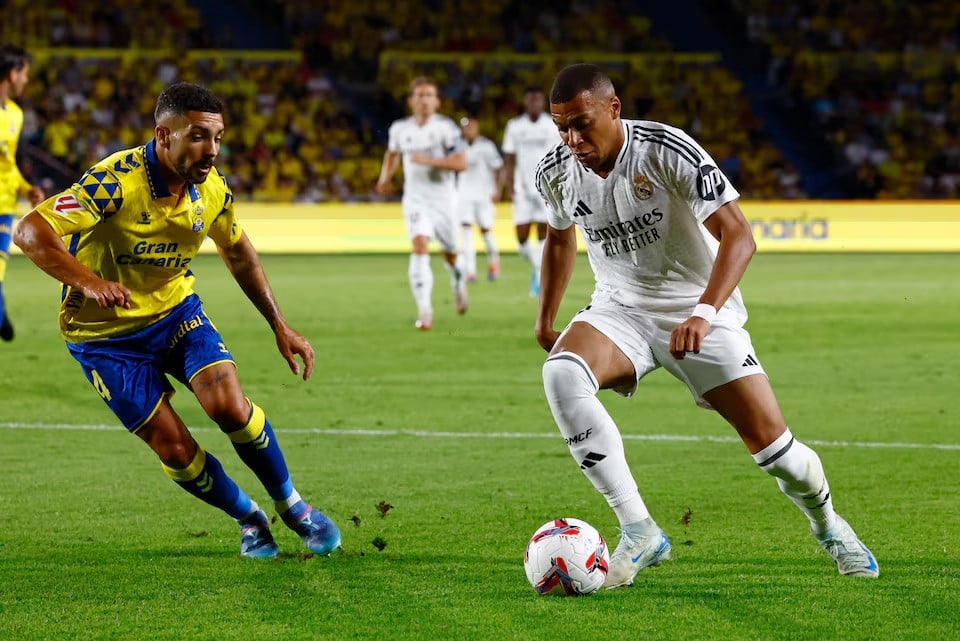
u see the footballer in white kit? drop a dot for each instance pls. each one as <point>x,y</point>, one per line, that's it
<point>429,205</point>
<point>649,251</point>
<point>668,245</point>
<point>526,139</point>
<point>430,149</point>
<point>477,189</point>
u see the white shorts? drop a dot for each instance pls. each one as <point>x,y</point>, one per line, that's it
<point>528,209</point>
<point>725,355</point>
<point>437,223</point>
<point>477,212</point>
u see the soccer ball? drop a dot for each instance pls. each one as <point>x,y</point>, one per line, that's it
<point>566,556</point>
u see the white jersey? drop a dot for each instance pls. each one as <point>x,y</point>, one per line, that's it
<point>438,137</point>
<point>479,181</point>
<point>529,140</point>
<point>643,223</point>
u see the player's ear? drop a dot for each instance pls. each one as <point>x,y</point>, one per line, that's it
<point>615,107</point>
<point>162,134</point>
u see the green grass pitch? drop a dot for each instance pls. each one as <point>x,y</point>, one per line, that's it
<point>450,428</point>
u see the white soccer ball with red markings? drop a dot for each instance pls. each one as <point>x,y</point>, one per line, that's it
<point>566,557</point>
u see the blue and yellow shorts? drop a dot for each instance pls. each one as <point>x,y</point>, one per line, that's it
<point>129,371</point>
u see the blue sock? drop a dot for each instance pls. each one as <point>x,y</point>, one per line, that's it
<point>257,445</point>
<point>6,233</point>
<point>206,480</point>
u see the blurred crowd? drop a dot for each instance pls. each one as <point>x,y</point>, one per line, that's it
<point>880,83</point>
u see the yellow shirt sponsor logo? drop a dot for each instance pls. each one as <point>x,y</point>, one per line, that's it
<point>122,222</point>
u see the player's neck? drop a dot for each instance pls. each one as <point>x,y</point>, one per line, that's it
<point>610,163</point>
<point>421,119</point>
<point>176,185</point>
<point>4,93</point>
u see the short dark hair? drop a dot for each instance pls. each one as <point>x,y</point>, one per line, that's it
<point>576,78</point>
<point>529,89</point>
<point>181,97</point>
<point>12,58</point>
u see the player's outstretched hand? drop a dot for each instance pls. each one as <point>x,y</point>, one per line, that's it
<point>107,293</point>
<point>291,344</point>
<point>688,336</point>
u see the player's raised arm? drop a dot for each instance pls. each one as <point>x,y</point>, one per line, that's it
<point>243,262</point>
<point>41,243</point>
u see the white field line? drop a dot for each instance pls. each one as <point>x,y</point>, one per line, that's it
<point>499,435</point>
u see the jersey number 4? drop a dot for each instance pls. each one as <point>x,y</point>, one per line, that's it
<point>99,385</point>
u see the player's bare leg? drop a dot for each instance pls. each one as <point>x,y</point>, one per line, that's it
<point>750,405</point>
<point>581,363</point>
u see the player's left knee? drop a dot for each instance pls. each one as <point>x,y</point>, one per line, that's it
<point>232,415</point>
<point>567,377</point>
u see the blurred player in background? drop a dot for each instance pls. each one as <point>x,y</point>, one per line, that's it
<point>668,245</point>
<point>476,194</point>
<point>134,221</point>
<point>432,152</point>
<point>526,139</point>
<point>14,74</point>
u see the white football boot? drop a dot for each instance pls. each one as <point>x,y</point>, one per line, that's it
<point>635,552</point>
<point>852,556</point>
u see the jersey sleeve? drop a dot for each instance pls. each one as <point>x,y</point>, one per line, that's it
<point>393,138</point>
<point>546,181</point>
<point>225,229</point>
<point>693,173</point>
<point>509,145</point>
<point>494,159</point>
<point>453,141</point>
<point>89,201</point>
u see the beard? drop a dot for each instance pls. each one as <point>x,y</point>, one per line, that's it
<point>191,172</point>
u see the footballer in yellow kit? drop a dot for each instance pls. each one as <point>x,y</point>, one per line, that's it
<point>120,221</point>
<point>14,74</point>
<point>122,240</point>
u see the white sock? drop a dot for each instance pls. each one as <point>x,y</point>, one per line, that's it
<point>524,250</point>
<point>469,250</point>
<point>283,506</point>
<point>493,252</point>
<point>456,270</point>
<point>591,435</point>
<point>799,474</point>
<point>536,255</point>
<point>421,282</point>
<point>254,508</point>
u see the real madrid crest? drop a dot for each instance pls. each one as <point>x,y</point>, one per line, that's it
<point>642,187</point>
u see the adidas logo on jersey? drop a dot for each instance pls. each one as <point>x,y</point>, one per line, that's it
<point>750,362</point>
<point>582,210</point>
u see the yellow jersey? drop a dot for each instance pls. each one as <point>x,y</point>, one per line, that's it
<point>114,222</point>
<point>12,182</point>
